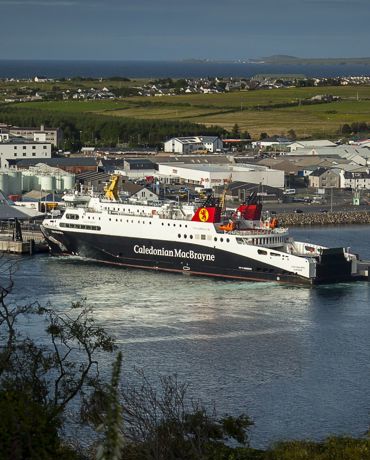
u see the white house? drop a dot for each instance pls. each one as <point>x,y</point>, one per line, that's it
<point>138,192</point>
<point>355,180</point>
<point>187,145</point>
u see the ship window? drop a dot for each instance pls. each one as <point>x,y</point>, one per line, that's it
<point>72,216</point>
<point>221,239</point>
<point>227,240</point>
<point>162,223</point>
<point>185,236</point>
<point>215,238</point>
<point>180,225</point>
<point>262,252</point>
<point>179,236</point>
<point>240,240</point>
<point>202,237</point>
<point>191,237</point>
<point>274,254</point>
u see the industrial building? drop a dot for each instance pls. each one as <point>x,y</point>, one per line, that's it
<point>215,175</point>
<point>16,148</point>
<point>53,136</point>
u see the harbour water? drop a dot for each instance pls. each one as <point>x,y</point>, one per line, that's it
<point>296,359</point>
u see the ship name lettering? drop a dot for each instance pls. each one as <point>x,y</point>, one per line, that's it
<point>173,253</point>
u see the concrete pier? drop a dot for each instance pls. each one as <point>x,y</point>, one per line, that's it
<point>31,244</point>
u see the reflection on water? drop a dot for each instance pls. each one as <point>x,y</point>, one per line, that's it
<point>294,358</point>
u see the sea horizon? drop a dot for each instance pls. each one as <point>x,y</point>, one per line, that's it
<point>69,68</point>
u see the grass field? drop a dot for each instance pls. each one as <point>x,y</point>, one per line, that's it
<point>244,108</point>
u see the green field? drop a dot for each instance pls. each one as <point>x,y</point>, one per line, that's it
<point>253,111</point>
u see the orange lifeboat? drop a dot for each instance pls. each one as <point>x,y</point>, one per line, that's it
<point>228,227</point>
<point>273,223</point>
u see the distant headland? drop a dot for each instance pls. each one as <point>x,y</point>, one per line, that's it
<point>282,59</point>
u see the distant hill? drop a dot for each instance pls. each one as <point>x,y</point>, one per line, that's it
<point>284,59</point>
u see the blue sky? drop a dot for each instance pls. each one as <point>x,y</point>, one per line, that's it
<point>173,29</point>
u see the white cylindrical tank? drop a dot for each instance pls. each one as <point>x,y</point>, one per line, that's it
<point>4,183</point>
<point>35,182</point>
<point>15,182</point>
<point>26,183</point>
<point>59,183</point>
<point>47,183</point>
<point>68,182</point>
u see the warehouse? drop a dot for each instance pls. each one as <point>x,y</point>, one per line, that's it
<point>215,175</point>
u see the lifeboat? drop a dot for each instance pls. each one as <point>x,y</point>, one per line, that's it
<point>228,227</point>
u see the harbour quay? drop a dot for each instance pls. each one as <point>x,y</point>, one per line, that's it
<point>31,241</point>
<point>294,219</point>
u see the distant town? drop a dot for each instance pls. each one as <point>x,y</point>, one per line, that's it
<point>32,89</point>
<point>36,172</point>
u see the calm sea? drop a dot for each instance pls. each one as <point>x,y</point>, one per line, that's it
<point>174,69</point>
<point>296,359</point>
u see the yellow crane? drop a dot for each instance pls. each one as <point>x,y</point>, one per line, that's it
<point>111,189</point>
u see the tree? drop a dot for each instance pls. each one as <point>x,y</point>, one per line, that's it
<point>345,129</point>
<point>111,448</point>
<point>38,382</point>
<point>235,131</point>
<point>292,134</point>
<point>263,136</point>
<point>163,424</point>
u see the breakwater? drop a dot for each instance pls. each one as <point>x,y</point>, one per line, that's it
<point>322,218</point>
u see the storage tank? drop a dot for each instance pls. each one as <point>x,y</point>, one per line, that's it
<point>26,181</point>
<point>47,183</point>
<point>15,182</point>
<point>35,182</point>
<point>68,182</point>
<point>59,183</point>
<point>4,183</point>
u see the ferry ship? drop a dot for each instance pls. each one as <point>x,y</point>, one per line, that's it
<point>192,240</point>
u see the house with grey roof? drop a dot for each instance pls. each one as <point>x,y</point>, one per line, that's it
<point>325,178</point>
<point>355,180</point>
<point>191,144</point>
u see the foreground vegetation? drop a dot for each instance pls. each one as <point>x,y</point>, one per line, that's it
<point>47,376</point>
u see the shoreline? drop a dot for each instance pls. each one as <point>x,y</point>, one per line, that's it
<point>323,218</point>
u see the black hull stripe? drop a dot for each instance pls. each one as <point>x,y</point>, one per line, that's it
<point>291,280</point>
